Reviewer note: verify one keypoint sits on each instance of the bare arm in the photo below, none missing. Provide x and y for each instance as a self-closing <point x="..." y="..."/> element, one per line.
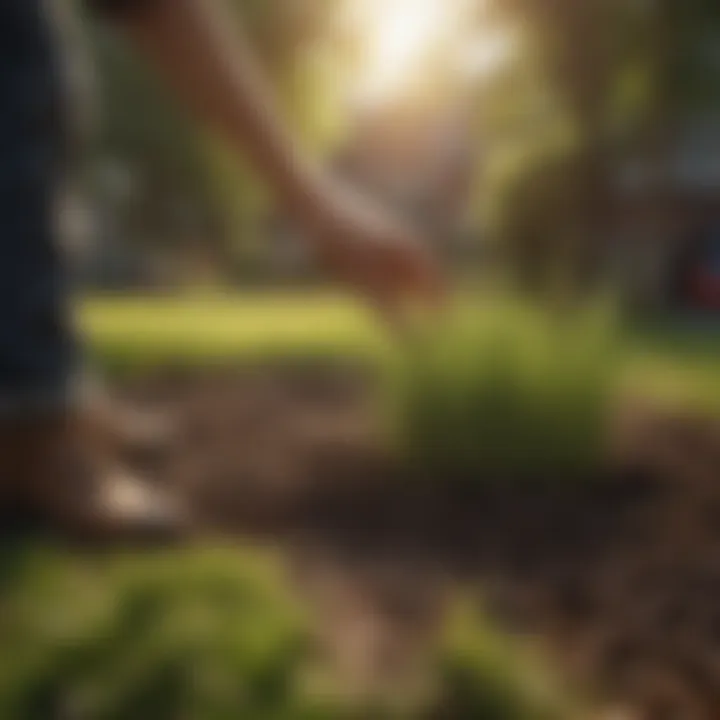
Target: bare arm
<point x="197" y="48"/>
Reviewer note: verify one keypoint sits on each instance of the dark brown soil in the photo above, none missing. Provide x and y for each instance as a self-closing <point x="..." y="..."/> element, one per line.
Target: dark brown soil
<point x="620" y="578"/>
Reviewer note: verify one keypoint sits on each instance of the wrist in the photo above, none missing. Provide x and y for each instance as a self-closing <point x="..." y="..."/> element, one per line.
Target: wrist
<point x="305" y="195"/>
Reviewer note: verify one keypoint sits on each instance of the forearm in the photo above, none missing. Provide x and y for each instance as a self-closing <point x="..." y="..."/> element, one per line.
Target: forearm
<point x="198" y="50"/>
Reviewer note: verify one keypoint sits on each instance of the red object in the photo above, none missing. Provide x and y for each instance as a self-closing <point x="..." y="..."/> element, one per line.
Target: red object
<point x="705" y="289"/>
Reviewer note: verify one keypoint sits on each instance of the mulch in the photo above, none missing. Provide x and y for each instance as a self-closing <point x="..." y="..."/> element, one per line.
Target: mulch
<point x="618" y="577"/>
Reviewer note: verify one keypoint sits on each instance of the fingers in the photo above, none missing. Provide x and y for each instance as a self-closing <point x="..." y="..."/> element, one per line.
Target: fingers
<point x="409" y="290"/>
<point x="390" y="268"/>
<point x="423" y="280"/>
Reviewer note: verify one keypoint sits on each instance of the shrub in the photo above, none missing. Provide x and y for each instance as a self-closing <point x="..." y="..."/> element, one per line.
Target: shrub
<point x="507" y="391"/>
<point x="197" y="635"/>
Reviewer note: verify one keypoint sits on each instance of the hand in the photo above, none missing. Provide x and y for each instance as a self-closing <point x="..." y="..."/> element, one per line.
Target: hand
<point x="375" y="254"/>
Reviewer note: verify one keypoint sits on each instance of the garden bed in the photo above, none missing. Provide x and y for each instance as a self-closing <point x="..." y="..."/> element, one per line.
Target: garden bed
<point x="618" y="576"/>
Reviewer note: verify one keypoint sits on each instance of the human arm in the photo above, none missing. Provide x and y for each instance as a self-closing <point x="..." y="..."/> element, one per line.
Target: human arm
<point x="197" y="48"/>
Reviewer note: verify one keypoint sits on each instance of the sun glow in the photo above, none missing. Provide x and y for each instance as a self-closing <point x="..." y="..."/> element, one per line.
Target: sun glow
<point x="405" y="32"/>
<point x="401" y="42"/>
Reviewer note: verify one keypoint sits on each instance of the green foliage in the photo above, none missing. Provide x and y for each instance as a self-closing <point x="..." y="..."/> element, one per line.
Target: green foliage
<point x="483" y="674"/>
<point x="691" y="29"/>
<point x="532" y="217"/>
<point x="198" y="635"/>
<point x="213" y="634"/>
<point x="507" y="391"/>
<point x="618" y="79"/>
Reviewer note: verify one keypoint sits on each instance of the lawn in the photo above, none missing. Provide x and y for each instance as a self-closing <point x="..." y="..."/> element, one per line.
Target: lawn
<point x="138" y="333"/>
<point x="142" y="332"/>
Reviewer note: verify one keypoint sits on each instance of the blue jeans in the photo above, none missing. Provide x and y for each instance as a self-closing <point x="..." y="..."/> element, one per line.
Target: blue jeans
<point x="38" y="348"/>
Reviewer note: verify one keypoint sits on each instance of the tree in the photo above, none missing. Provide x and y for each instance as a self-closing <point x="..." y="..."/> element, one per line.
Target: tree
<point x="593" y="82"/>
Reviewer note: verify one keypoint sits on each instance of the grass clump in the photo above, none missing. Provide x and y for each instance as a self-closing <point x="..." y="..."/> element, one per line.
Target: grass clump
<point x="508" y="391"/>
<point x="200" y="635"/>
<point x="486" y="674"/>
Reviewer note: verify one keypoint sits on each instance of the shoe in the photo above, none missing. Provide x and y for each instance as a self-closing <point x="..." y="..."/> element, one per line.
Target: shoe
<point x="71" y="484"/>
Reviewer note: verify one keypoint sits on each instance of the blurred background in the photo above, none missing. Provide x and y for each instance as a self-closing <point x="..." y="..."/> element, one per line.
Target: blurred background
<point x="513" y="518"/>
<point x="541" y="138"/>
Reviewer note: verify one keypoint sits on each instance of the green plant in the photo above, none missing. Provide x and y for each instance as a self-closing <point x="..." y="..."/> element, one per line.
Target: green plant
<point x="214" y="635"/>
<point x="507" y="391"/>
<point x="196" y="635"/>
<point x="486" y="674"/>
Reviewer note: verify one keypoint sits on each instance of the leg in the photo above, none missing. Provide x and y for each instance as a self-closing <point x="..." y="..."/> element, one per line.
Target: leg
<point x="49" y="462"/>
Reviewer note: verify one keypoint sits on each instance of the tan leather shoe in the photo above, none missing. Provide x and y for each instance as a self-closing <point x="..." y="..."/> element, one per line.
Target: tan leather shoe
<point x="71" y="484"/>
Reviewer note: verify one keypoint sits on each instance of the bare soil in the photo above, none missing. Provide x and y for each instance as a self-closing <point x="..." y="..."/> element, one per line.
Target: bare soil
<point x="620" y="579"/>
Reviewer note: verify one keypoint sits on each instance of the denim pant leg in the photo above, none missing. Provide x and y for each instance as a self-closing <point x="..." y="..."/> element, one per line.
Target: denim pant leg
<point x="38" y="350"/>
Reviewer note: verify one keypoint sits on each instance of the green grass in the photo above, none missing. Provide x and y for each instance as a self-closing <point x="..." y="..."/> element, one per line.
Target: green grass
<point x="215" y="634"/>
<point x="198" y="634"/>
<point x="144" y="332"/>
<point x="509" y="394"/>
<point x="486" y="674"/>
<point x="136" y="333"/>
<point x="677" y="365"/>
